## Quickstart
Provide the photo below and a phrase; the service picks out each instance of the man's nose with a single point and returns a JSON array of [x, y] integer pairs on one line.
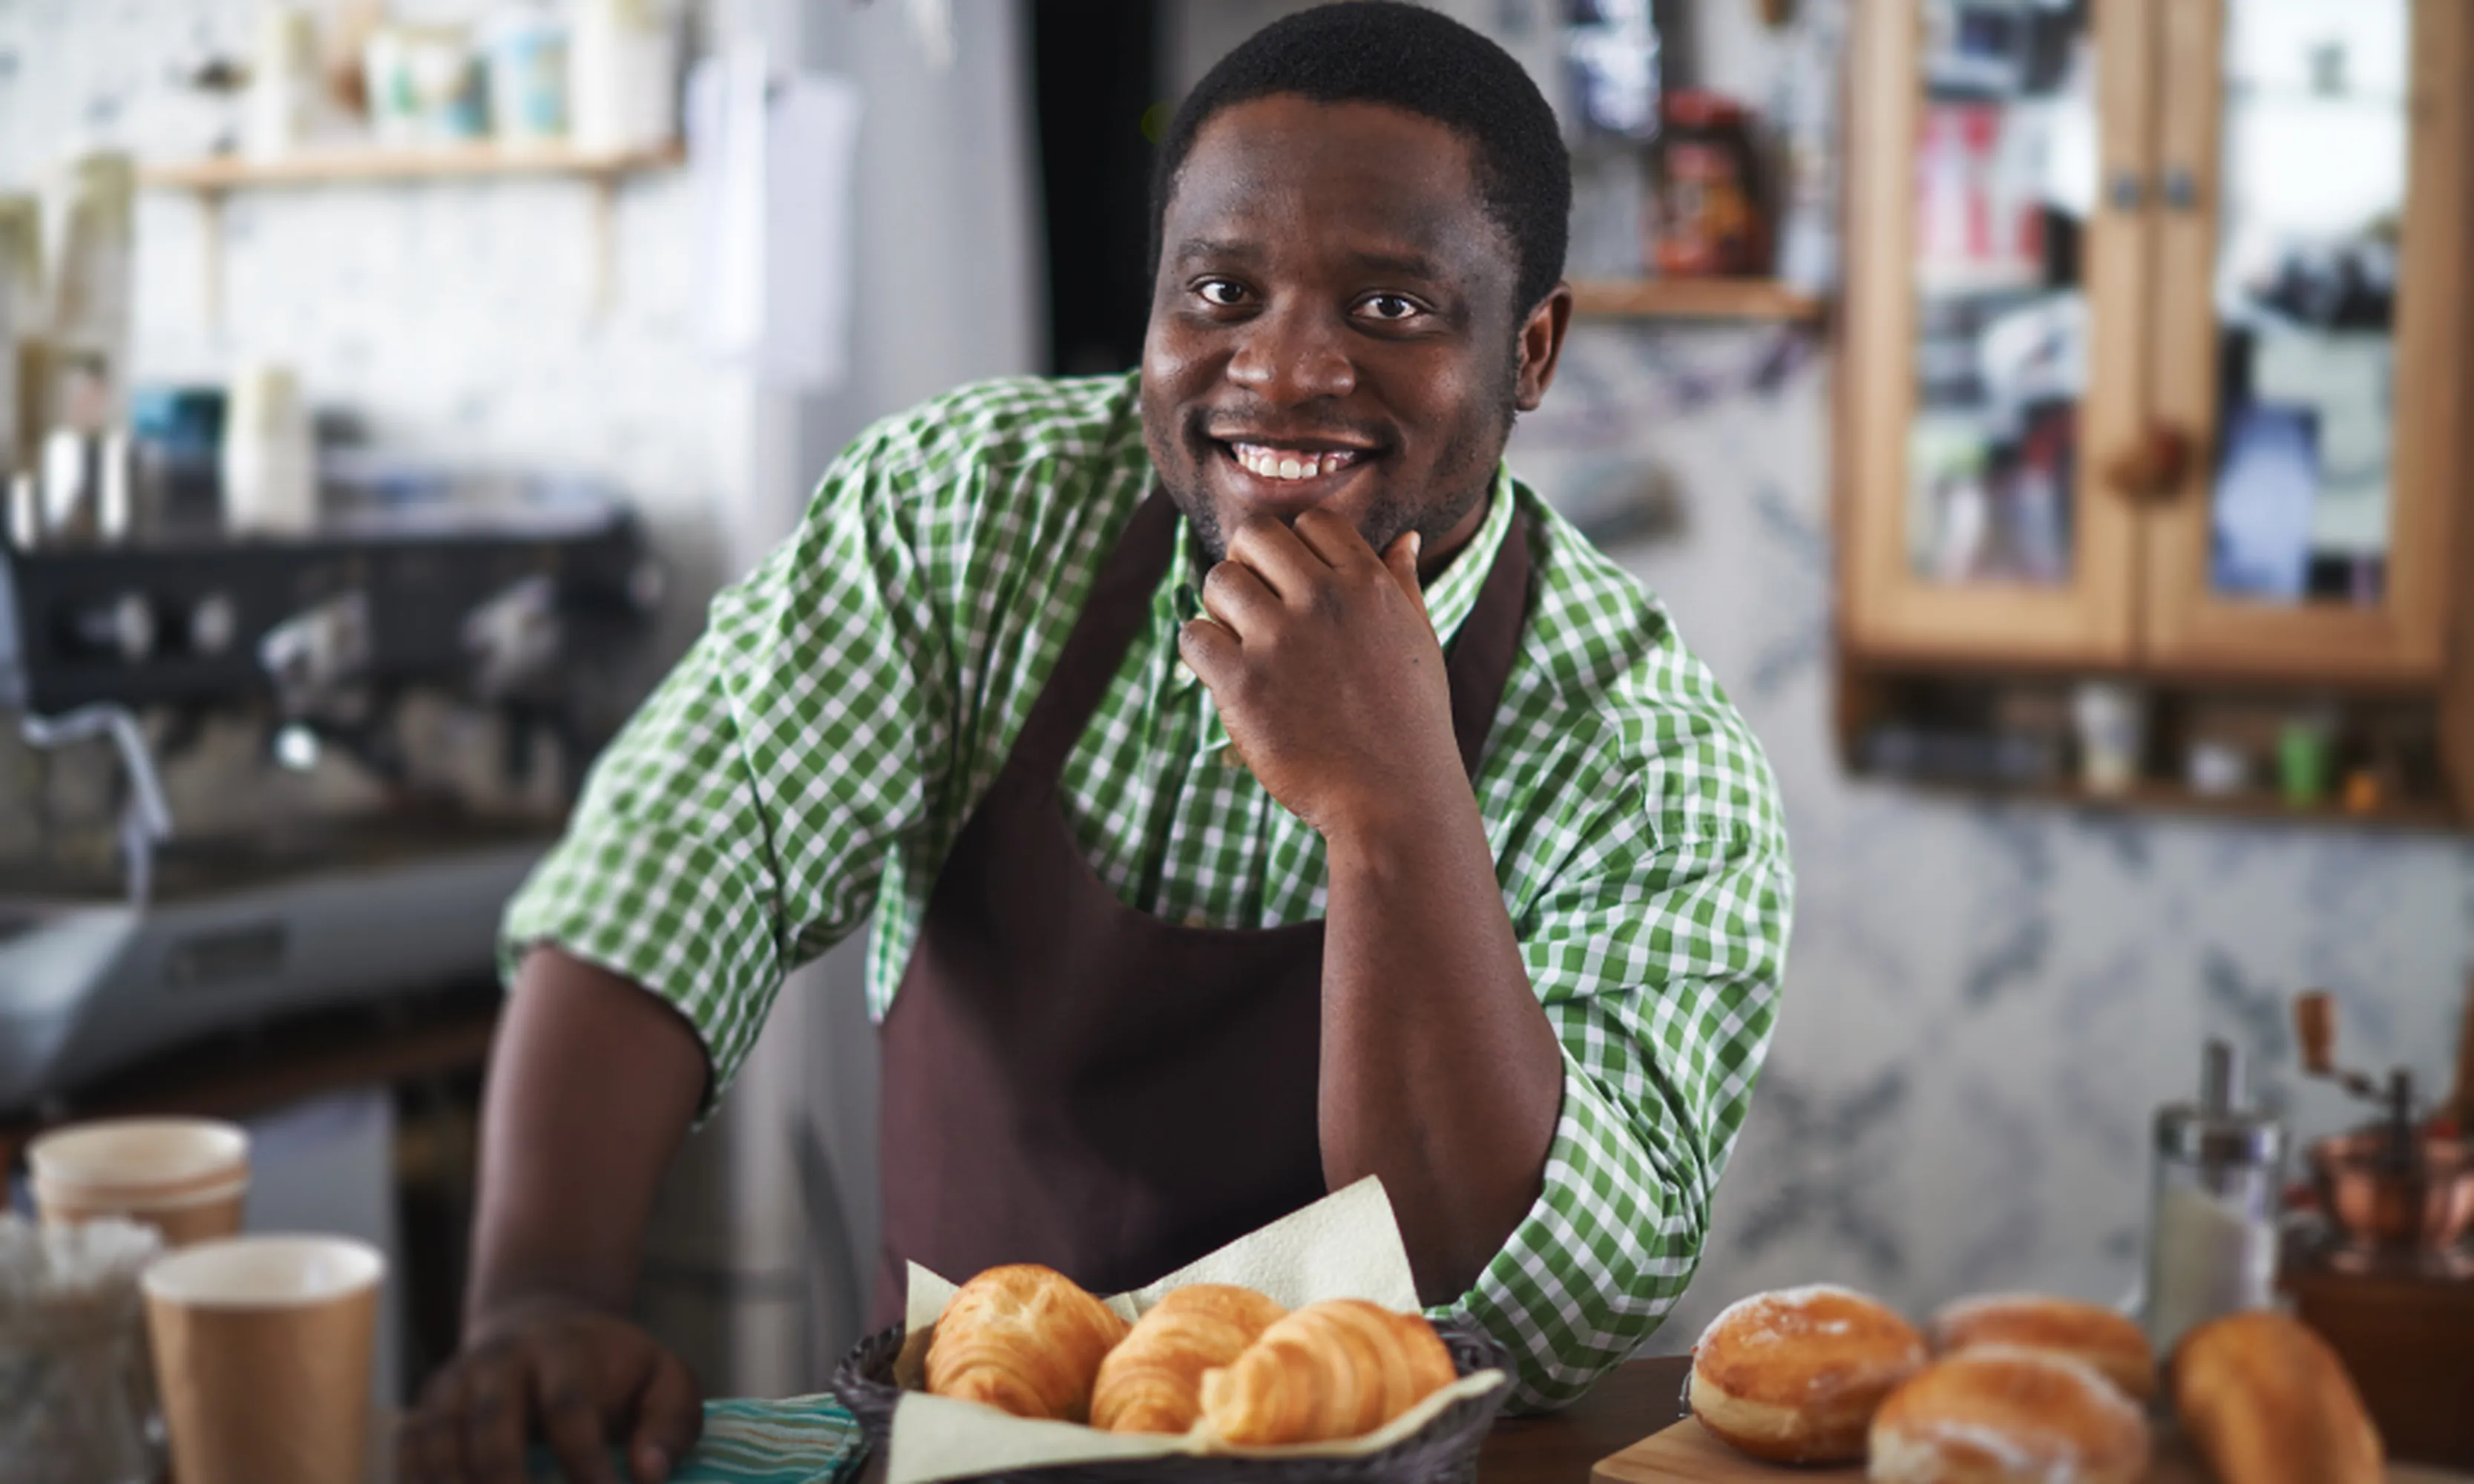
[[1293, 354]]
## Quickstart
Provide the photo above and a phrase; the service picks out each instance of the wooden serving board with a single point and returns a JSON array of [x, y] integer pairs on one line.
[[1685, 1452]]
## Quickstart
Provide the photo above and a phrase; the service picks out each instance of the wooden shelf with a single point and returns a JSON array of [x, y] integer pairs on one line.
[[210, 181], [2171, 798], [1694, 299], [336, 167]]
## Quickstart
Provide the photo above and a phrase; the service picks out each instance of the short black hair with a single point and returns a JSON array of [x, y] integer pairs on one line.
[[1422, 62]]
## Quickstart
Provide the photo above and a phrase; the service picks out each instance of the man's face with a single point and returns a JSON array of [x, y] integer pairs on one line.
[[1334, 324]]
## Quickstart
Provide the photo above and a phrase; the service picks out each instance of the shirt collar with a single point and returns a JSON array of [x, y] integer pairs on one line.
[[1451, 595]]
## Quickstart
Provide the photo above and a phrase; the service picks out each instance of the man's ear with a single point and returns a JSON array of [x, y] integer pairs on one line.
[[1541, 345]]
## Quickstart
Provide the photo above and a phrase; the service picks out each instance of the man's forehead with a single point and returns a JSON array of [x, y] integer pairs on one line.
[[1398, 182]]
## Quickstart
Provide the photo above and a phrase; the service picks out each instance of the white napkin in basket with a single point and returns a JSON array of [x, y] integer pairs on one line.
[[1345, 1246]]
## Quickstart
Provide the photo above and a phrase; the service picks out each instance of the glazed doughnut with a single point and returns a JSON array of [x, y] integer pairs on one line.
[[2103, 1338], [1998, 1414], [1794, 1376]]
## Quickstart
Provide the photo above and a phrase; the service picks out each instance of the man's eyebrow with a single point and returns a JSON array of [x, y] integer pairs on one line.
[[1406, 264], [1220, 249], [1403, 263]]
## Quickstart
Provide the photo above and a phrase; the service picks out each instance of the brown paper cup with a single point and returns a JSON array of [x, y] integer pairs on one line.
[[187, 1177], [186, 1220], [162, 1157], [262, 1348]]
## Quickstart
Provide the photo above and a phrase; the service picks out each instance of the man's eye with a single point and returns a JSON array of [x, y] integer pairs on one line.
[[1391, 307], [1221, 292]]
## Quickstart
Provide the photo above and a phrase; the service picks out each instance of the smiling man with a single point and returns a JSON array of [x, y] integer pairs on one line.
[[1250, 787]]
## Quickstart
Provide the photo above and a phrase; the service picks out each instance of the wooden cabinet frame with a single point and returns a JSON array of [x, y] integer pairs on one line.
[[2139, 597], [2187, 627], [2141, 603], [1888, 611]]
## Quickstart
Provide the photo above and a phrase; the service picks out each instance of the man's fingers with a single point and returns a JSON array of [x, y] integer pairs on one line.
[[570, 1416], [1236, 596], [1286, 563], [429, 1448], [493, 1419], [1207, 648], [1333, 538], [668, 1417]]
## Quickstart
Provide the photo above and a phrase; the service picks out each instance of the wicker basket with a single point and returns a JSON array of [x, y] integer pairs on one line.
[[1444, 1451]]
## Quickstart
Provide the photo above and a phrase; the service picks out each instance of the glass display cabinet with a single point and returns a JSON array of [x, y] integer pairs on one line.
[[2156, 376]]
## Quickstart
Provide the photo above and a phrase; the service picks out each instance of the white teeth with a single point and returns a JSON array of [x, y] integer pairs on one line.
[[1272, 464]]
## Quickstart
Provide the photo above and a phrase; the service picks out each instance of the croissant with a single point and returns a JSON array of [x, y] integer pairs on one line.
[[1024, 1339], [1331, 1370], [1154, 1381]]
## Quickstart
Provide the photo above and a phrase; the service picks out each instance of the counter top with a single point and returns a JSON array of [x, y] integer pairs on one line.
[[1630, 1403], [1633, 1402]]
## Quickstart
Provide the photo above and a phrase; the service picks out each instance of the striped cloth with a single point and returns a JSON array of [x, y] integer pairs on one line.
[[798, 1440]]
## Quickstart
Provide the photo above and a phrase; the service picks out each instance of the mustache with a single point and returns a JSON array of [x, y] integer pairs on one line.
[[1266, 423]]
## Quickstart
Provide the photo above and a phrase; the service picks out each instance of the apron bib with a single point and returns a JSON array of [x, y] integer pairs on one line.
[[1070, 1081]]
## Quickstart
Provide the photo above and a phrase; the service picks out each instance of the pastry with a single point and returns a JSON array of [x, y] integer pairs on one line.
[[1331, 1370], [1153, 1382], [1794, 1376], [2269, 1402], [1024, 1339], [2000, 1413], [2102, 1337]]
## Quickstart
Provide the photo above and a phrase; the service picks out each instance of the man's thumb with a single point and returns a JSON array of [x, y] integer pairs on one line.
[[1402, 559]]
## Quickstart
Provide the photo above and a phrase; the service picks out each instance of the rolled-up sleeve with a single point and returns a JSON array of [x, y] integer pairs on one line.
[[1657, 957], [662, 877]]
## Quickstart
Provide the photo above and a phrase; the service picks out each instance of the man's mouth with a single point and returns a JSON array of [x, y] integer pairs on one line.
[[1290, 465], [1283, 477]]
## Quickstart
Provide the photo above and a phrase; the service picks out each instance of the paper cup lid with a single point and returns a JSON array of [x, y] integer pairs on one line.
[[265, 1272], [135, 1154]]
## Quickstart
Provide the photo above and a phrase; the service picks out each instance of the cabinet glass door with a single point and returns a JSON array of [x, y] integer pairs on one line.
[[2310, 332], [1992, 326]]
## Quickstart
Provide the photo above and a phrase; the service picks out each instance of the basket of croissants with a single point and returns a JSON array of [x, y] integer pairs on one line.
[[1225, 1382]]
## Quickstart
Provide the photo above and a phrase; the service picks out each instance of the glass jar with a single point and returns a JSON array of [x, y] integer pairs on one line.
[[72, 1402], [1706, 216], [2213, 1211]]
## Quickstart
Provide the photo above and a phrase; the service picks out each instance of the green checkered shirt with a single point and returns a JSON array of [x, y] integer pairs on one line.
[[808, 764]]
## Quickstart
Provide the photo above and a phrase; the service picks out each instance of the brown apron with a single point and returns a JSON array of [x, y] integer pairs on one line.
[[1071, 1081]]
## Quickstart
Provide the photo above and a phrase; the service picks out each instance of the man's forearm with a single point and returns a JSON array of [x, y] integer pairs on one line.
[[593, 1083], [1440, 1071]]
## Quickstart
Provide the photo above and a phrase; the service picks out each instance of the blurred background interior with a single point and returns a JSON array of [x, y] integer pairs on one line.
[[2048, 417]]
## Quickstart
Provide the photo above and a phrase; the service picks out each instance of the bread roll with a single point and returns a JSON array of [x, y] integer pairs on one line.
[[1998, 1414], [1338, 1369], [1153, 1382], [2269, 1402], [1795, 1376], [2103, 1338], [1024, 1339]]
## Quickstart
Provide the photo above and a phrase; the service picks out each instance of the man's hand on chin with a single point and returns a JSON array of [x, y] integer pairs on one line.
[[1327, 672]]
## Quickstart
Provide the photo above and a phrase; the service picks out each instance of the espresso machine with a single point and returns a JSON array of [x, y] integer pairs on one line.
[[244, 777]]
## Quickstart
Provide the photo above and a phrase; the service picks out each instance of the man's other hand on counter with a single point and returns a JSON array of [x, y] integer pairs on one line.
[[585, 1381]]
